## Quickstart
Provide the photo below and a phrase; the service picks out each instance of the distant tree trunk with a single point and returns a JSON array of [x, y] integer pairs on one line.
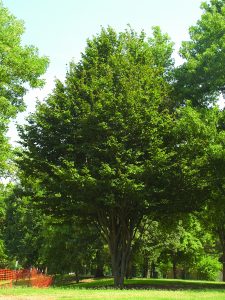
[[99, 273], [129, 272], [223, 271], [223, 261], [154, 274], [221, 233], [77, 277], [183, 274], [145, 267], [99, 265], [174, 269]]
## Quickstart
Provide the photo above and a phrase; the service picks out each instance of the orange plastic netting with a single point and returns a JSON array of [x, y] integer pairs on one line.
[[31, 277]]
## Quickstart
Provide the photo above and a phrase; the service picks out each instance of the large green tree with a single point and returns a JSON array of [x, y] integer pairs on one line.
[[101, 146], [92, 143]]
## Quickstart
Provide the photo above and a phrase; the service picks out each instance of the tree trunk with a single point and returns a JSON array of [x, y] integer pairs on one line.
[[174, 270], [99, 265], [117, 228], [183, 274], [129, 271], [145, 267], [120, 250], [77, 277], [223, 262], [99, 273], [221, 233], [154, 274], [223, 271], [120, 260]]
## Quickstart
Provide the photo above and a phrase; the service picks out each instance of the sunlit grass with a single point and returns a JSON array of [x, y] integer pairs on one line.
[[137, 289], [83, 294]]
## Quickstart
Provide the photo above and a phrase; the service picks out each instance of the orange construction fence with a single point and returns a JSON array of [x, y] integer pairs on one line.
[[31, 277]]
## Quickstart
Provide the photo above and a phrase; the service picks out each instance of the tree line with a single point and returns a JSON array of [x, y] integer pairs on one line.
[[121, 168]]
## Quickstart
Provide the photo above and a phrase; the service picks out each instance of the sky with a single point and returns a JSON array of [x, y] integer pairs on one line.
[[60, 28]]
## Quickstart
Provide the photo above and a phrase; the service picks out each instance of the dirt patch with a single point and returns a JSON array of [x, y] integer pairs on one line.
[[87, 280]]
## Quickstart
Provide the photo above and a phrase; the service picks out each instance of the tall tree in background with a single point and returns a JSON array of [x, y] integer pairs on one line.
[[70, 247], [3, 252], [20, 68], [23, 233], [201, 77], [214, 213]]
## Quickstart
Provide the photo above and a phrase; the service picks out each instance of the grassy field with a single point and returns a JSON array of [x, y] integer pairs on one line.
[[136, 290], [82, 294]]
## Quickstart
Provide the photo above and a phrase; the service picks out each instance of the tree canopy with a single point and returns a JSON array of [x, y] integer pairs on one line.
[[92, 143], [126, 140], [105, 144]]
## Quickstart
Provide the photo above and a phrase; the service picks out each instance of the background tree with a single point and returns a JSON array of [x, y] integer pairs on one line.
[[3, 253], [185, 247], [201, 77], [147, 247], [177, 247], [72, 248], [20, 68], [214, 212], [23, 234]]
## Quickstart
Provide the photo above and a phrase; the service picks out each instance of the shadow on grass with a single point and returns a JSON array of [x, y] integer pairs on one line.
[[161, 284]]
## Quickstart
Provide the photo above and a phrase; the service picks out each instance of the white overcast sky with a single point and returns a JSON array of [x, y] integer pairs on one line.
[[59, 28]]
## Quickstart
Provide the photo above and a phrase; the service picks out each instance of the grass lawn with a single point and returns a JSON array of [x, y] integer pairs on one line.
[[155, 283], [140, 289], [82, 294]]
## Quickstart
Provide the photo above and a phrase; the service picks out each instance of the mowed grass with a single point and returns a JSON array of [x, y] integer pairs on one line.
[[82, 294], [138, 283], [153, 283], [137, 289]]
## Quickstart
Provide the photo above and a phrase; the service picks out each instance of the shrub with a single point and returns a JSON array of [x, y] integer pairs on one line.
[[208, 268]]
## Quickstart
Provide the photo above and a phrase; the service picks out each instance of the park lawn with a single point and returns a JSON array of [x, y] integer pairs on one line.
[[138, 283], [137, 289], [107, 294]]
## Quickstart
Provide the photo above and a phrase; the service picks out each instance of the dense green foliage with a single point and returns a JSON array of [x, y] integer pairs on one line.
[[20, 68], [23, 233], [125, 157], [106, 146], [100, 135], [201, 77]]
